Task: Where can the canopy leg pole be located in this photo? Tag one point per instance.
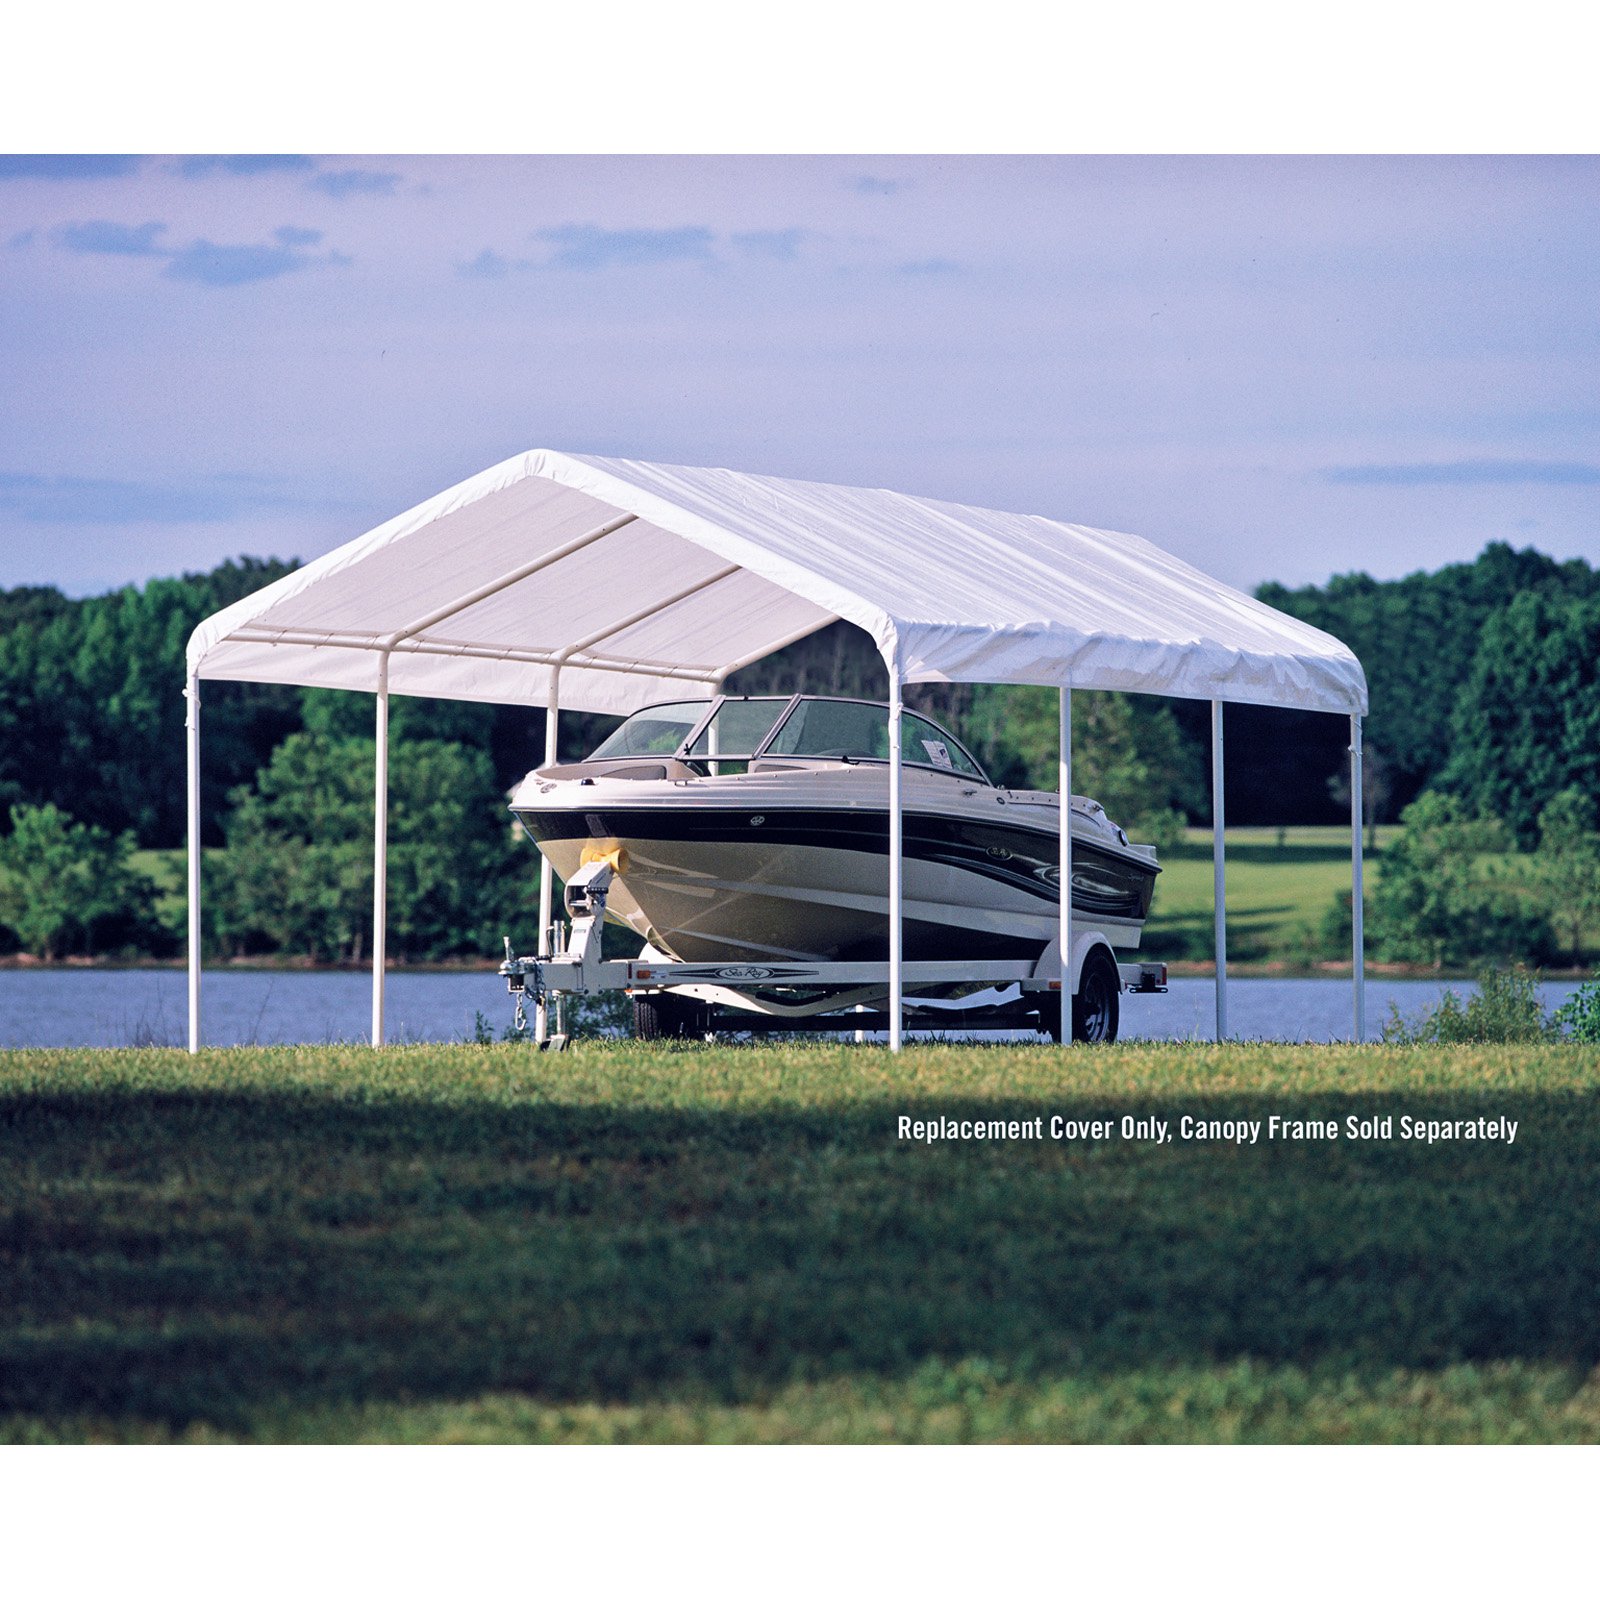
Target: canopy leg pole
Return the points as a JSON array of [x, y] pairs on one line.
[[1358, 954], [552, 715], [896, 864], [380, 852], [1219, 892], [191, 724], [1064, 782]]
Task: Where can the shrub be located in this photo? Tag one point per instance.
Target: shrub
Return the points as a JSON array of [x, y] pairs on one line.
[[1505, 1010], [1567, 868], [1431, 903], [1579, 1014]]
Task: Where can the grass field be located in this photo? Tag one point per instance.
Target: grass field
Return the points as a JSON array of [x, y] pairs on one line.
[[1278, 880], [643, 1243]]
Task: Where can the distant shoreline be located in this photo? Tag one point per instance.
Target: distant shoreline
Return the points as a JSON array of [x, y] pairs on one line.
[[1177, 969]]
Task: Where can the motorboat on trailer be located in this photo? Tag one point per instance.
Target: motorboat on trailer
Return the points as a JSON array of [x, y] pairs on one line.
[[756, 829]]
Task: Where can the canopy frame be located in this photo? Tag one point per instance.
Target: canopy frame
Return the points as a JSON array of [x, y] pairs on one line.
[[732, 518]]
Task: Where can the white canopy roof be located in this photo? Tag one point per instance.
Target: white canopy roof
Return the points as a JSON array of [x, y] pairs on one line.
[[643, 582]]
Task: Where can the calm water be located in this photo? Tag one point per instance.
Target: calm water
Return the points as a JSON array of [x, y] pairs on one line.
[[95, 1007]]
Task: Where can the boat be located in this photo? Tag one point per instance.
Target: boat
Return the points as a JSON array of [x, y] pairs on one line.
[[753, 828]]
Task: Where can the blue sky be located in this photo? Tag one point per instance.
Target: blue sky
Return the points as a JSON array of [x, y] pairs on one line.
[[1278, 367]]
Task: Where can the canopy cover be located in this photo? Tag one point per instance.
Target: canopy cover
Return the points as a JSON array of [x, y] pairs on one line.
[[640, 582]]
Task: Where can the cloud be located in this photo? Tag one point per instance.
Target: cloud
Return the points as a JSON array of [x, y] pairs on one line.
[[487, 264], [55, 167], [583, 247], [224, 266], [865, 183], [1465, 472], [21, 241], [354, 180], [115, 501], [778, 244], [100, 238], [242, 166], [203, 261]]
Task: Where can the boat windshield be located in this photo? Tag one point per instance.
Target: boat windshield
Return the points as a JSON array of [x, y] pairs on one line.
[[738, 728], [855, 728], [655, 731]]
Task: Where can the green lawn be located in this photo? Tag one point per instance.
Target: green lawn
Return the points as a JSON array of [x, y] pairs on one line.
[[644, 1243], [1278, 879]]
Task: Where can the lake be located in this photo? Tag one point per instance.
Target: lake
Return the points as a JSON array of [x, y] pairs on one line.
[[101, 1007]]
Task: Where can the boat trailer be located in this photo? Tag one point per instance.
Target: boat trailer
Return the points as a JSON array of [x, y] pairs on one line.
[[687, 1000]]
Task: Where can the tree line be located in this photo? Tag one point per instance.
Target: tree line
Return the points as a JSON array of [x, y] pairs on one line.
[[1485, 680]]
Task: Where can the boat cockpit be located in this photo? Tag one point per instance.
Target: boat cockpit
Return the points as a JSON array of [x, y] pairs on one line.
[[768, 733]]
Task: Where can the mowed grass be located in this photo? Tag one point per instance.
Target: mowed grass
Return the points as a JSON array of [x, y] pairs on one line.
[[640, 1243], [1278, 879]]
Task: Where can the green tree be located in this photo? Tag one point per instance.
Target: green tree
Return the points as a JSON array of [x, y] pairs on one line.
[[1127, 752], [66, 884], [1527, 724], [297, 873], [1433, 902], [1567, 867], [1417, 638], [91, 692]]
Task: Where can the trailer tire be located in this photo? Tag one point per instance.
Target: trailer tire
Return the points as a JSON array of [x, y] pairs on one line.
[[668, 1016], [1096, 1007]]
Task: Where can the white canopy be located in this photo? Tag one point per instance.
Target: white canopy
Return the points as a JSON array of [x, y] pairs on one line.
[[604, 585], [641, 581]]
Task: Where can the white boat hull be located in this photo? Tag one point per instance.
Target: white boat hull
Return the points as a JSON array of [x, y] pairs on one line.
[[794, 865]]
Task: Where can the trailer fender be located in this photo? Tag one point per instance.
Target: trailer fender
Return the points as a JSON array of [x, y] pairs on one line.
[[1048, 969]]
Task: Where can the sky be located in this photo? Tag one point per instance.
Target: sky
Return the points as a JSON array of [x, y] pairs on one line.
[[1277, 367]]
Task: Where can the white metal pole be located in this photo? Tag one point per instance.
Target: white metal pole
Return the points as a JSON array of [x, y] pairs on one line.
[[1219, 892], [191, 722], [896, 862], [552, 714], [380, 851], [1064, 783], [1358, 955], [714, 734]]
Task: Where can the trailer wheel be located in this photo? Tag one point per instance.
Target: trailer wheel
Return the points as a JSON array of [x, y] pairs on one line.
[[1096, 1006], [668, 1016]]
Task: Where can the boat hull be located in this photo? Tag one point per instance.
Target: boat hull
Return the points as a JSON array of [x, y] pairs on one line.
[[764, 879]]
